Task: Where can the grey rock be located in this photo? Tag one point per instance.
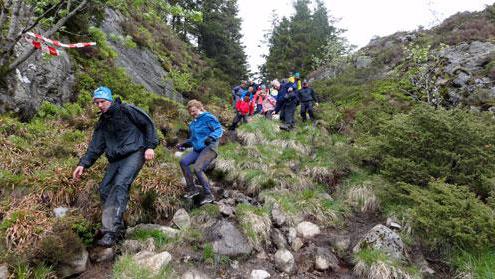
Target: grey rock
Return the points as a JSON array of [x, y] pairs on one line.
[[153, 261], [38, 79], [363, 62], [259, 274], [382, 238], [291, 235], [278, 216], [194, 274], [307, 230], [284, 260], [227, 239], [261, 226], [132, 246], [102, 254], [60, 212], [181, 219], [471, 57], [75, 265], [393, 224], [461, 80], [168, 231], [297, 244], [226, 209], [141, 64], [325, 259], [278, 239], [4, 271]]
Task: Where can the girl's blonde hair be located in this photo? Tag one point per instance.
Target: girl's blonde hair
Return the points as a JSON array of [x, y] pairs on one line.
[[196, 104]]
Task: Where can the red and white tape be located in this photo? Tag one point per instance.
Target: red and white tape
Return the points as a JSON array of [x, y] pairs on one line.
[[50, 46]]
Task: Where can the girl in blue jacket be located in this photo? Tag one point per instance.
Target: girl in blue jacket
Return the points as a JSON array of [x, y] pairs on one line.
[[204, 134]]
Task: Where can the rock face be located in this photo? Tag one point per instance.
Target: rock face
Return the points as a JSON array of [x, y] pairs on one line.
[[227, 239], [38, 79], [141, 64], [284, 260], [382, 238]]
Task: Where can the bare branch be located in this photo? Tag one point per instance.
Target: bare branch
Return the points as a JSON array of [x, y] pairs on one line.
[[23, 57], [37, 20]]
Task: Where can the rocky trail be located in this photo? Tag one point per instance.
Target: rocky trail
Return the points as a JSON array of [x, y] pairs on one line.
[[216, 241]]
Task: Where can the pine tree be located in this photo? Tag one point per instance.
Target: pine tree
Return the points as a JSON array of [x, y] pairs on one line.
[[277, 65], [219, 37]]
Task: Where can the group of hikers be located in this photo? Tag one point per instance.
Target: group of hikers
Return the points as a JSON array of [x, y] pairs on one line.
[[250, 98], [127, 136]]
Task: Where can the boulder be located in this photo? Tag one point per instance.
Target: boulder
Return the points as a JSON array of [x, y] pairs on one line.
[[284, 260], [227, 240], [382, 238], [153, 261], [226, 210], [75, 265], [259, 274], [307, 230], [260, 226], [181, 219], [325, 259]]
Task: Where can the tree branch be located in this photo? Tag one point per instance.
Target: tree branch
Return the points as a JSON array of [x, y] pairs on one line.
[[23, 57], [37, 20]]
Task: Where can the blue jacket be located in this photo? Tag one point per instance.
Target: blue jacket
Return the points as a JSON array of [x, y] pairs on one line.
[[204, 126]]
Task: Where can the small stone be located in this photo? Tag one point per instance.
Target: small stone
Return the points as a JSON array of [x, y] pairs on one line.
[[60, 211], [178, 154], [259, 274], [278, 217], [234, 264], [284, 260], [307, 230], [291, 235], [262, 255], [391, 223], [297, 244], [4, 271], [226, 210], [132, 246], [278, 239], [181, 219]]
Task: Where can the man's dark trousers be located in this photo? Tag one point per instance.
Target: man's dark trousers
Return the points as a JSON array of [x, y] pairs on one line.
[[307, 107], [289, 111], [114, 190]]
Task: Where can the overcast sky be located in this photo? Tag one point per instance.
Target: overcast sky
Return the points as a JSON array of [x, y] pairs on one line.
[[362, 19]]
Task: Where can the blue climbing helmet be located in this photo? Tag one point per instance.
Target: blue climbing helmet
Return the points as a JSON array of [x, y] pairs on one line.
[[103, 92]]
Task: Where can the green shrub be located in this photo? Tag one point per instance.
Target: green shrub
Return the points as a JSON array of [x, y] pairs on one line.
[[445, 215], [478, 264], [428, 143]]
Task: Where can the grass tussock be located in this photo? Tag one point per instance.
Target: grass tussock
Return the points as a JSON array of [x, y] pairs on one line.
[[363, 199], [374, 264]]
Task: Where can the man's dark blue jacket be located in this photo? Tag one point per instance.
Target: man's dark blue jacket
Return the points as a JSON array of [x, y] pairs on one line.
[[123, 129]]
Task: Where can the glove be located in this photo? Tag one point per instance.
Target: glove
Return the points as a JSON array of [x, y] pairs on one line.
[[209, 140]]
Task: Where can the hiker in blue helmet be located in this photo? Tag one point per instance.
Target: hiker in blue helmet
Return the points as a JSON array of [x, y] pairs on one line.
[[127, 136]]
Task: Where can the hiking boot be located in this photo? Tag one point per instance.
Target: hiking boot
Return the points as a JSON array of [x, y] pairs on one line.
[[207, 199], [191, 193], [108, 240]]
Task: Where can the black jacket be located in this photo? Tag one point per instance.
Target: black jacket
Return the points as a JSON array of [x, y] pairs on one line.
[[307, 95], [123, 129]]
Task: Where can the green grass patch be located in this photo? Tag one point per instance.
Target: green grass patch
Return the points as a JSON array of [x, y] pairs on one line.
[[160, 237], [125, 267], [480, 264]]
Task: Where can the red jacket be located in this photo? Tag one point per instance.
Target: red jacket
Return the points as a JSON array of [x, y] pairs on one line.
[[244, 107]]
